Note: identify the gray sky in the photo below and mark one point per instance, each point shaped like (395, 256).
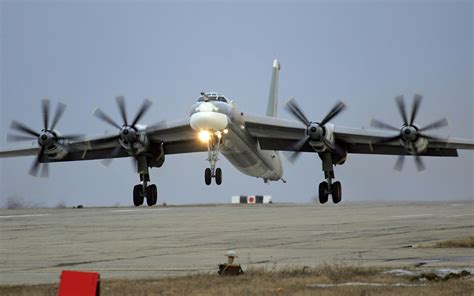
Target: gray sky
(84, 53)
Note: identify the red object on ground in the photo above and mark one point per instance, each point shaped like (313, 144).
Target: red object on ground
(79, 283)
(251, 199)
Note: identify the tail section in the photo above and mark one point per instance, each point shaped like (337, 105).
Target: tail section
(273, 96)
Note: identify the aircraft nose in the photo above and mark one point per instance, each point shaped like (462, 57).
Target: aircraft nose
(207, 117)
(207, 107)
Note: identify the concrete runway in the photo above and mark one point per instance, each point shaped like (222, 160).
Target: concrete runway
(36, 244)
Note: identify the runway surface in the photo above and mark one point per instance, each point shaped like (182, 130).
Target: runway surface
(36, 244)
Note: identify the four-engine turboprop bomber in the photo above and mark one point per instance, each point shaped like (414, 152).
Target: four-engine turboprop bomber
(251, 143)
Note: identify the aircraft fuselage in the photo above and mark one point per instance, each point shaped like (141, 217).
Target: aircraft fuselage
(214, 115)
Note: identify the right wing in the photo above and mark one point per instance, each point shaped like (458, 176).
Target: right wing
(19, 152)
(175, 137)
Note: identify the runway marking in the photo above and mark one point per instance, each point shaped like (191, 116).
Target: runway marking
(123, 211)
(413, 216)
(133, 210)
(22, 216)
(453, 216)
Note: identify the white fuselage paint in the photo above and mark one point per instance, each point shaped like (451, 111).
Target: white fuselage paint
(242, 150)
(244, 153)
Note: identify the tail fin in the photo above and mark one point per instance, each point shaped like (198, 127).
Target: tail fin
(273, 96)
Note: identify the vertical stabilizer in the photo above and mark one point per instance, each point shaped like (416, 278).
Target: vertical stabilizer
(273, 96)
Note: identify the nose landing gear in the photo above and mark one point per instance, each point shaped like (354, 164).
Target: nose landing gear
(217, 175)
(213, 149)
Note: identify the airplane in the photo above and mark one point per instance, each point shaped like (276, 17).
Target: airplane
(252, 144)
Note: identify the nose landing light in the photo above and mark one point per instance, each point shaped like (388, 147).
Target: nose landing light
(204, 136)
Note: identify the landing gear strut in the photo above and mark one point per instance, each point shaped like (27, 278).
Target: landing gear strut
(328, 187)
(143, 190)
(213, 148)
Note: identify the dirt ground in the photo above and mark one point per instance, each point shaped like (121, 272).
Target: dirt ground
(347, 280)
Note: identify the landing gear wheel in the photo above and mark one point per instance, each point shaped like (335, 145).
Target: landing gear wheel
(151, 195)
(137, 195)
(336, 192)
(218, 176)
(323, 192)
(207, 176)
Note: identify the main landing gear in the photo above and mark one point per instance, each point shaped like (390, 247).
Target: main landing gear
(143, 190)
(327, 187)
(213, 148)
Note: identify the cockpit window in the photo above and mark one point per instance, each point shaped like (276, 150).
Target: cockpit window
(212, 97)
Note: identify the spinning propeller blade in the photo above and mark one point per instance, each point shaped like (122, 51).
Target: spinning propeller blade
(409, 133)
(46, 138)
(318, 129)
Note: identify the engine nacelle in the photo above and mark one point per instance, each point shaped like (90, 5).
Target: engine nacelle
(420, 145)
(340, 156)
(138, 146)
(156, 156)
(57, 152)
(328, 133)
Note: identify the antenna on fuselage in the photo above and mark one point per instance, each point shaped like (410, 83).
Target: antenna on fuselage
(206, 98)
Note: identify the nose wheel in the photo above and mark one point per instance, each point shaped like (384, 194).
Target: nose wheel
(208, 175)
(213, 149)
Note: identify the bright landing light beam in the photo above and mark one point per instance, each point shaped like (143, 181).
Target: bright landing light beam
(204, 136)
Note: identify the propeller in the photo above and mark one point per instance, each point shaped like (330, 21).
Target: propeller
(128, 132)
(46, 138)
(315, 131)
(409, 133)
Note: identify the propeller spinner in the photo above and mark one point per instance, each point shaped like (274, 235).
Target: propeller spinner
(409, 133)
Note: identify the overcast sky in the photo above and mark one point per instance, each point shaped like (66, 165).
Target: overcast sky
(84, 53)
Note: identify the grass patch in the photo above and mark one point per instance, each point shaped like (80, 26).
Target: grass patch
(273, 281)
(466, 242)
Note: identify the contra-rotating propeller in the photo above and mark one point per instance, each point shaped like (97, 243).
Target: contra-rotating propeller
(46, 139)
(128, 133)
(409, 133)
(315, 131)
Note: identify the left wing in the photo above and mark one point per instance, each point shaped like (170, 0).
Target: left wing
(282, 134)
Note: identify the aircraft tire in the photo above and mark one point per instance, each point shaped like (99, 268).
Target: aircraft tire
(323, 192)
(137, 195)
(151, 195)
(218, 176)
(336, 192)
(207, 176)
